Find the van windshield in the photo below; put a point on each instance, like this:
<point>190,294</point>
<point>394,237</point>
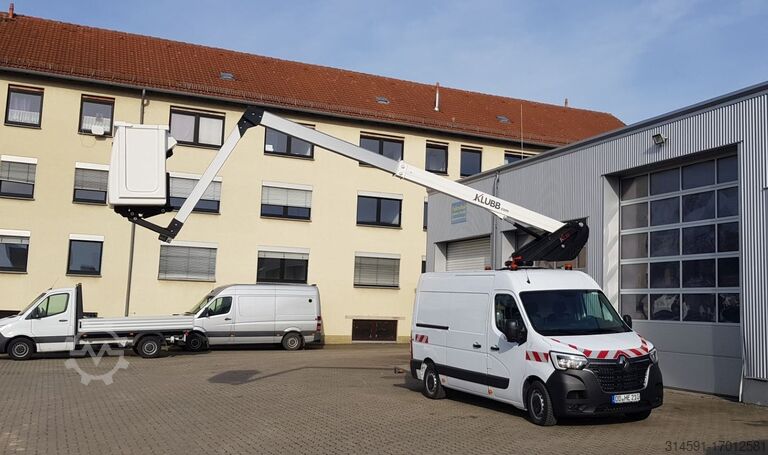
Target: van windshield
<point>31,303</point>
<point>199,305</point>
<point>571,312</point>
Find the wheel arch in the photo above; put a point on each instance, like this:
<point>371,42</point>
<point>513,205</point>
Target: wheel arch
<point>20,337</point>
<point>527,385</point>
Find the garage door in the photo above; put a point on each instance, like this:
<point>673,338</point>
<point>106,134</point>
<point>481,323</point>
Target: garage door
<point>468,255</point>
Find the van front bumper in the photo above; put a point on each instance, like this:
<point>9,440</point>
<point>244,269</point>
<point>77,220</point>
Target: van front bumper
<point>578,393</point>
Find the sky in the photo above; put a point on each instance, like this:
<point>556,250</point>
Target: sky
<point>634,59</point>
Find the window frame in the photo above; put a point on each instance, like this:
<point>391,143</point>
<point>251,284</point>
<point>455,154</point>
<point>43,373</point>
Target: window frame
<point>75,189</point>
<point>27,162</point>
<point>103,100</point>
<point>444,149</point>
<point>20,235</point>
<point>283,267</point>
<point>188,246</point>
<point>478,151</point>
<point>96,273</point>
<point>378,257</point>
<point>285,208</point>
<point>197,114</point>
<point>378,222</point>
<point>196,208</point>
<point>381,139</point>
<point>289,145</point>
<point>680,226</point>
<point>29,91</point>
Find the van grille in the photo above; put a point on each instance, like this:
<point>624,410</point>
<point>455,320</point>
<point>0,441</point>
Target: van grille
<point>614,378</point>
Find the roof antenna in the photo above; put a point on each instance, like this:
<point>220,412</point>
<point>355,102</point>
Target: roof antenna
<point>437,97</point>
<point>54,283</point>
<point>566,102</point>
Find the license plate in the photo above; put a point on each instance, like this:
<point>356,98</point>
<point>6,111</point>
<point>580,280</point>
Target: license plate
<point>625,398</point>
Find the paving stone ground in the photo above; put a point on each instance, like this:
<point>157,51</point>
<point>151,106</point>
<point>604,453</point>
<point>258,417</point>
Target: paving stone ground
<point>335,400</point>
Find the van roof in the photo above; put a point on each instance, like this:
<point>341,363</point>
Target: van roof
<point>515,280</point>
<point>266,285</point>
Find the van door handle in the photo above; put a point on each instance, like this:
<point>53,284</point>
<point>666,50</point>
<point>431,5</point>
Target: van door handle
<point>63,320</point>
<point>494,348</point>
<point>227,319</point>
<point>477,345</point>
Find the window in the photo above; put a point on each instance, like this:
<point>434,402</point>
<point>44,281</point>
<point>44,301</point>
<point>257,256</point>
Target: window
<point>679,247</point>
<point>197,128</point>
<point>426,212</point>
<point>51,306</point>
<point>374,330</point>
<point>512,157</point>
<point>220,306</point>
<point>14,252</point>
<point>282,267</point>
<point>437,158</point>
<point>96,113</point>
<point>471,162</point>
<point>25,106</point>
<point>378,211</point>
<point>181,187</point>
<point>277,143</point>
<point>84,257</point>
<point>506,309</point>
<point>17,178</point>
<point>293,202</point>
<point>391,148</point>
<point>377,271</point>
<point>187,263</point>
<point>90,185</point>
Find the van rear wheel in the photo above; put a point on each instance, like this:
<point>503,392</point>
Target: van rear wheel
<point>433,388</point>
<point>21,349</point>
<point>540,405</point>
<point>292,341</point>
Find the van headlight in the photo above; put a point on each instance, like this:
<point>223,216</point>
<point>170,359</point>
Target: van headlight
<point>563,361</point>
<point>654,355</point>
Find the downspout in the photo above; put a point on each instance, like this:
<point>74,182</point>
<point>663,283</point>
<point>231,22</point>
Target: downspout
<point>131,248</point>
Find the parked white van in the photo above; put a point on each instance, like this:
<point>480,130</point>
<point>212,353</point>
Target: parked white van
<point>288,314</point>
<point>546,341</point>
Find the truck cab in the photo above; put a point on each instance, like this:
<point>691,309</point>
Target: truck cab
<point>547,341</point>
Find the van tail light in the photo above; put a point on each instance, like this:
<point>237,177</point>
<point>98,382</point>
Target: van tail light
<point>319,324</point>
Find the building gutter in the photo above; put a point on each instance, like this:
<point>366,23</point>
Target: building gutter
<point>488,137</point>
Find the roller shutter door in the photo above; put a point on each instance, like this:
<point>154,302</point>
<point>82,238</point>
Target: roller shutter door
<point>468,255</point>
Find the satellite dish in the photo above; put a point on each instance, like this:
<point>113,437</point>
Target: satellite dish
<point>98,130</point>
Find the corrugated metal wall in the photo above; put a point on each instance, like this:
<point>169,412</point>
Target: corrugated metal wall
<point>570,183</point>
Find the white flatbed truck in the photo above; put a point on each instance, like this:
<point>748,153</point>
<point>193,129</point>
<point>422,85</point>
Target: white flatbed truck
<point>54,322</point>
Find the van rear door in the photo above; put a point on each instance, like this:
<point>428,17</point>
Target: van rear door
<point>255,318</point>
<point>295,309</point>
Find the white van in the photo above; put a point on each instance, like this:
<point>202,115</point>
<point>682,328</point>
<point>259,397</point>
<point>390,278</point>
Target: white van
<point>288,314</point>
<point>546,341</point>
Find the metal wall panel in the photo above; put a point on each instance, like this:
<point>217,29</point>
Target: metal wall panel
<point>570,182</point>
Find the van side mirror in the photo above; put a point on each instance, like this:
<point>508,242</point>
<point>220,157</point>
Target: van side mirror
<point>514,330</point>
<point>627,320</point>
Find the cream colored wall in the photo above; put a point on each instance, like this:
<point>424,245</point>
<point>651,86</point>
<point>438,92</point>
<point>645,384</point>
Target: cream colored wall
<point>331,236</point>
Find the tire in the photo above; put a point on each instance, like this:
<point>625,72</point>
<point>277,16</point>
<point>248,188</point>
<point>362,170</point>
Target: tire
<point>637,416</point>
<point>150,347</point>
<point>21,349</point>
<point>432,387</point>
<point>539,405</point>
<point>196,342</point>
<point>292,341</point>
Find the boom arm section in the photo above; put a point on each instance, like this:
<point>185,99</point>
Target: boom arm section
<point>560,241</point>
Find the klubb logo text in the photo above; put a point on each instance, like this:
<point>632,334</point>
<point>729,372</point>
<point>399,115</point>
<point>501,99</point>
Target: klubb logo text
<point>479,197</point>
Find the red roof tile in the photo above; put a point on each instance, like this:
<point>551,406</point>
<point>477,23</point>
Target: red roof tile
<point>52,47</point>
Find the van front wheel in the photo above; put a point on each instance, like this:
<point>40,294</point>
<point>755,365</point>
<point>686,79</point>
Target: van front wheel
<point>21,349</point>
<point>540,405</point>
<point>432,387</point>
<point>292,341</point>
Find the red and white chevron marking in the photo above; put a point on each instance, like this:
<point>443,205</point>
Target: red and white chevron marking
<point>535,356</point>
<point>603,354</point>
<point>421,338</point>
